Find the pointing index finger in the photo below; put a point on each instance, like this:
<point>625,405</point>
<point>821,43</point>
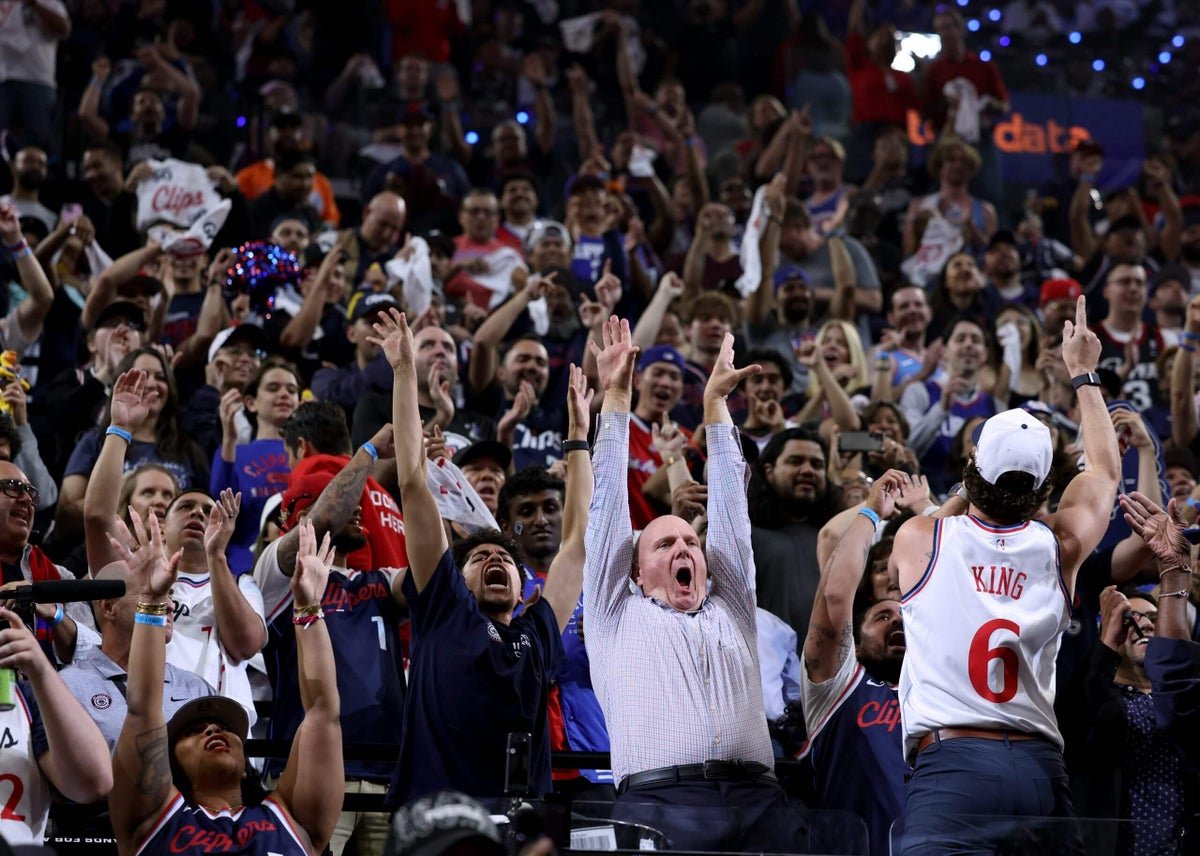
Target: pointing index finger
<point>1081,312</point>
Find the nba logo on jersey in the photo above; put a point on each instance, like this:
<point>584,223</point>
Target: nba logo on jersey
<point>1000,543</point>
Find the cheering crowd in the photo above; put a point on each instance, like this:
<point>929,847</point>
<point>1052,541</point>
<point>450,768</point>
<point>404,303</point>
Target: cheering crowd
<point>486,379</point>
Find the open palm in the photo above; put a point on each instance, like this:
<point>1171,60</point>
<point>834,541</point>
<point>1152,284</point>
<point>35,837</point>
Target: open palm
<point>394,337</point>
<point>614,363</point>
<point>312,566</point>
<point>130,405</point>
<point>1161,529</point>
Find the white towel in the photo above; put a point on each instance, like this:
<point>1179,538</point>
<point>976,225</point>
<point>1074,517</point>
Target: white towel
<point>456,499</point>
<point>751,276</point>
<point>416,275</point>
<point>176,192</point>
<point>966,118</point>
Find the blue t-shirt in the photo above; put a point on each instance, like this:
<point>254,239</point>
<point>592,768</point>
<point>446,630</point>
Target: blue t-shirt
<point>256,829</point>
<point>259,470</point>
<point>472,681</point>
<point>87,451</point>
<point>537,439</point>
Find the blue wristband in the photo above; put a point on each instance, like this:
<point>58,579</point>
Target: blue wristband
<point>370,449</point>
<point>58,616</point>
<point>1193,502</point>
<point>1190,337</point>
<point>152,620</point>
<point>120,432</point>
<point>870,515</point>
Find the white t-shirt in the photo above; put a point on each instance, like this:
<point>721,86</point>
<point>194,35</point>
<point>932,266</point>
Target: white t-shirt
<point>195,645</point>
<point>27,52</point>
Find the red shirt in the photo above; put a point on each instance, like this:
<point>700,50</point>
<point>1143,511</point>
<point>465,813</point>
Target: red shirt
<point>462,285</point>
<point>880,94</point>
<point>985,76</point>
<point>382,522</point>
<point>643,463</point>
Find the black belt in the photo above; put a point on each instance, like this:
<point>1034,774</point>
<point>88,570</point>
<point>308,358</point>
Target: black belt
<point>728,771</point>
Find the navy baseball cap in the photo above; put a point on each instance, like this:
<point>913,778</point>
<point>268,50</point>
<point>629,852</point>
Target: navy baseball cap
<point>788,273</point>
<point>662,354</point>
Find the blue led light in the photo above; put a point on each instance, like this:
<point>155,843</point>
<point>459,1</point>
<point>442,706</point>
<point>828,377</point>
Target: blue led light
<point>1005,41</point>
<point>986,56</point>
<point>1040,59</point>
<point>1177,42</point>
<point>241,121</point>
<point>523,117</point>
<point>1164,57</point>
<point>471,137</point>
<point>1074,38</point>
<point>993,15</point>
<point>973,25</point>
<point>1139,83</point>
<point>963,2</point>
<point>1098,65</point>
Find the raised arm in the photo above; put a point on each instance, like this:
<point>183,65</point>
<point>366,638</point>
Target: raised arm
<point>129,407</point>
<point>481,370</point>
<point>730,558</point>
<point>89,103</point>
<point>830,628</point>
<point>240,629</point>
<point>425,535</point>
<point>1183,376</point>
<point>645,332</point>
<point>581,113</point>
<point>1086,506</point>
<point>609,536</point>
<point>1162,530</point>
<point>33,309</point>
<point>761,303</point>
<point>565,580</point>
<point>341,496</point>
<point>141,761</point>
<point>312,782</point>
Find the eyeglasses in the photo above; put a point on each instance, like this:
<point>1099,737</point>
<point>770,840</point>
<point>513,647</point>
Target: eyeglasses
<point>256,353</point>
<point>1149,616</point>
<point>15,488</point>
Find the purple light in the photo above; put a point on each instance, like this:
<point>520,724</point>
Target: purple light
<point>985,55</point>
<point>241,121</point>
<point>1005,41</point>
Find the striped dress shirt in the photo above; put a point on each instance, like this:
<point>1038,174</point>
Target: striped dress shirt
<point>675,687</point>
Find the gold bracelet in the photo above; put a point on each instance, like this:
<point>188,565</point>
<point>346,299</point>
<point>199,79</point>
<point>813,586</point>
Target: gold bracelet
<point>154,608</point>
<point>671,460</point>
<point>310,609</point>
<point>1178,569</point>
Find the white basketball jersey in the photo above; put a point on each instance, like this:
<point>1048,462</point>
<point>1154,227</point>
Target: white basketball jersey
<point>982,629</point>
<point>195,645</point>
<point>24,791</point>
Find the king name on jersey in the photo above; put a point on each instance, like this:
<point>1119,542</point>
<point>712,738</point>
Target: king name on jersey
<point>999,580</point>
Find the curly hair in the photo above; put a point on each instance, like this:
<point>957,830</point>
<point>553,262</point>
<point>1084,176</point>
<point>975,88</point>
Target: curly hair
<point>462,550</point>
<point>1012,499</point>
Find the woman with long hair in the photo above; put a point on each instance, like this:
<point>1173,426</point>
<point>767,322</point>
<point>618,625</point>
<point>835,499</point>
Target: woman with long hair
<point>1019,334</point>
<point>186,783</point>
<point>155,438</point>
<point>258,469</point>
<point>838,371</point>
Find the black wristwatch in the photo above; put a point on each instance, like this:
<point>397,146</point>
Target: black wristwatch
<point>1085,379</point>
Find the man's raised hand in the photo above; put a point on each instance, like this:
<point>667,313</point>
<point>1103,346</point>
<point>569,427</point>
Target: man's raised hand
<point>312,566</point>
<point>616,360</point>
<point>579,404</point>
<point>725,378</point>
<point>394,337</point>
<point>1080,347</point>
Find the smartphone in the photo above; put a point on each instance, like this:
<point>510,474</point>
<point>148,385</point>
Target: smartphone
<point>71,212</point>
<point>518,778</point>
<point>860,441</point>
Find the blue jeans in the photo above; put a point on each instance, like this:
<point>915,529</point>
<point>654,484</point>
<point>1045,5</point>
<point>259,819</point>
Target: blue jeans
<point>972,796</point>
<point>27,110</point>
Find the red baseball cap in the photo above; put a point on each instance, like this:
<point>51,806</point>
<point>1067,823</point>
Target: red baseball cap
<point>1060,289</point>
<point>300,494</point>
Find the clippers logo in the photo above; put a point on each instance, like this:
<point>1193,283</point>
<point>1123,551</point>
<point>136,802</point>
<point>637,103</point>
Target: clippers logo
<point>102,701</point>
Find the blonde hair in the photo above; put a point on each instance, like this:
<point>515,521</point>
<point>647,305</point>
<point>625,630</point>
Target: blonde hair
<point>858,357</point>
<point>129,483</point>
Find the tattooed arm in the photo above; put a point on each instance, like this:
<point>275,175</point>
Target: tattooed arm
<point>141,766</point>
<point>830,637</point>
<point>335,506</point>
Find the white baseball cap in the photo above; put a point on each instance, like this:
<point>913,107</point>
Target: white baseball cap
<point>1014,441</point>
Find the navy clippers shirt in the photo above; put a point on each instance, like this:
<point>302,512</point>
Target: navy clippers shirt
<point>472,681</point>
<point>855,747</point>
<point>361,616</point>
